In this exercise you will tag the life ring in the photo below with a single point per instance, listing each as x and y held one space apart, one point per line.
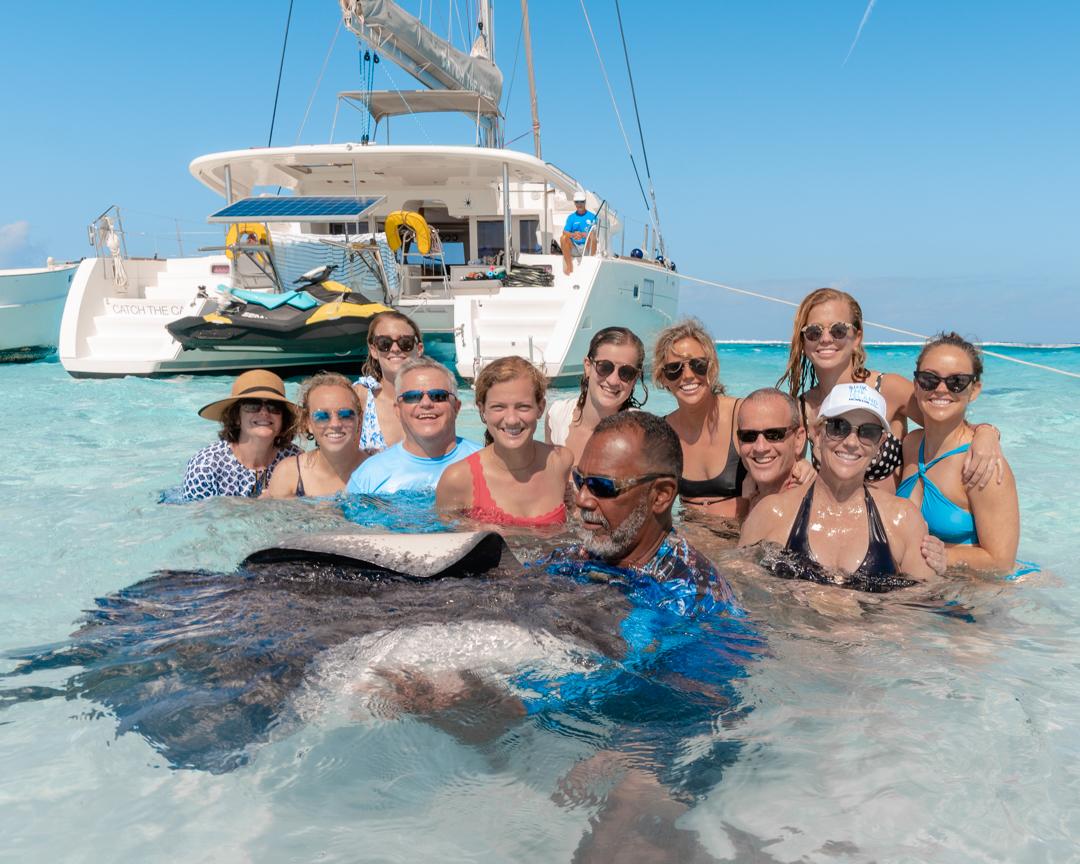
400 221
241 233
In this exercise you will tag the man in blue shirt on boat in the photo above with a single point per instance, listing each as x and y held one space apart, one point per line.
427 405
579 234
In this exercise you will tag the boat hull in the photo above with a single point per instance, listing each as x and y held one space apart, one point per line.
31 305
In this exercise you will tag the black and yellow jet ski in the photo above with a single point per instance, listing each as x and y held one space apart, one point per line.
320 316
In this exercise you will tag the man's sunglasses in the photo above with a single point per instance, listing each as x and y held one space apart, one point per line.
838 330
321 418
609 487
627 373
776 433
929 381
254 406
673 370
413 397
838 429
384 343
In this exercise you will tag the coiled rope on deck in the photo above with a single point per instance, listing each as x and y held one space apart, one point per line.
866 323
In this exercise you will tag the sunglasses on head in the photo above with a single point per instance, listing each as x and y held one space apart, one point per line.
673 370
776 433
413 397
609 487
838 330
254 406
929 381
838 429
627 373
321 418
384 343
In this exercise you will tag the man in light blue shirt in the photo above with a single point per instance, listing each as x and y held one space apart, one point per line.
427 406
578 236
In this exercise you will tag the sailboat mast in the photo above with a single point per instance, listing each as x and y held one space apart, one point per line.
532 75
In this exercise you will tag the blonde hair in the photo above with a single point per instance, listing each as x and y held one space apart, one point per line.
323 379
690 328
800 374
503 370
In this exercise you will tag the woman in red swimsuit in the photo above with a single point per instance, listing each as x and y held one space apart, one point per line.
515 479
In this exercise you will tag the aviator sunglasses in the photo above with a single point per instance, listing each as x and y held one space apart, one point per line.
609 487
627 373
838 330
321 418
254 406
838 429
383 343
929 381
413 397
672 370
776 433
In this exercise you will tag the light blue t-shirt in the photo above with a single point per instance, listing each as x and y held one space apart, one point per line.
396 469
583 222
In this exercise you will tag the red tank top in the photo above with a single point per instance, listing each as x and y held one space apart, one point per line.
485 509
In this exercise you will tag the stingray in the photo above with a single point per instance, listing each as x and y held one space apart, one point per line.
205 665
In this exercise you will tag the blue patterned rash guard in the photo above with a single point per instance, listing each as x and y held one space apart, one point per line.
687 640
215 470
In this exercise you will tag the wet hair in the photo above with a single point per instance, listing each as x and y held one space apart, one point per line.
776 393
663 455
322 379
424 362
800 374
371 364
954 340
690 328
615 336
507 369
230 425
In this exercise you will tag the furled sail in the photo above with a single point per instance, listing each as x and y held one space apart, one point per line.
434 62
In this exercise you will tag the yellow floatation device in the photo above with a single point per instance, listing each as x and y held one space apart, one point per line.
400 221
246 232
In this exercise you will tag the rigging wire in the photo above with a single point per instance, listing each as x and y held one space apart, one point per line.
618 116
513 75
867 323
281 67
318 82
641 133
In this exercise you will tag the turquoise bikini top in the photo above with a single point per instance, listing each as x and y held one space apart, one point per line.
945 519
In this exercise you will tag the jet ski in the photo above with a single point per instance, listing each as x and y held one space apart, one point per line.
319 316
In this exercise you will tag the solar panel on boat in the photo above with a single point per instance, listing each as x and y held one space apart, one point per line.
292 208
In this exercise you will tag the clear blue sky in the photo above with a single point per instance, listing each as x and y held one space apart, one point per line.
936 174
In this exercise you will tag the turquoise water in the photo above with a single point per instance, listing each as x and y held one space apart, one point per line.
880 729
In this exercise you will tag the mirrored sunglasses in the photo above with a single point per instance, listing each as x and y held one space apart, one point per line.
838 330
413 397
321 418
608 487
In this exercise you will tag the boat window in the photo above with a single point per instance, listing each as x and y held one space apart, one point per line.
647 292
529 236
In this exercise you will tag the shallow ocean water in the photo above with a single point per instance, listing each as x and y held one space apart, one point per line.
873 729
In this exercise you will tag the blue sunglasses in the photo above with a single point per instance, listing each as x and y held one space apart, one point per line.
413 397
321 418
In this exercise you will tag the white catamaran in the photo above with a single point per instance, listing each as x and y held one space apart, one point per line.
463 239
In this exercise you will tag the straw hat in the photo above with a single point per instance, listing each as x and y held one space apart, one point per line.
256 384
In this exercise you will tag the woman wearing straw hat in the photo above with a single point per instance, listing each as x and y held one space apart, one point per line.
258 424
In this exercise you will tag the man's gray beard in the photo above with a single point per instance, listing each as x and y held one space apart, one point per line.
620 541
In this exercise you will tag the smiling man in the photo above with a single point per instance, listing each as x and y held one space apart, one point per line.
427 406
771 442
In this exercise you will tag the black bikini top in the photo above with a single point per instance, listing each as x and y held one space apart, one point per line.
727 484
877 572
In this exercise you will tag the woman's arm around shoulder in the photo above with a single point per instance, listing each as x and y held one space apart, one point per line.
454 492
284 480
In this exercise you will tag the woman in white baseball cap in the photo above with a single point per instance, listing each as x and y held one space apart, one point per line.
841 531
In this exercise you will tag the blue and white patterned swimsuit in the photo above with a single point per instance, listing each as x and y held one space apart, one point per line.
371 437
215 470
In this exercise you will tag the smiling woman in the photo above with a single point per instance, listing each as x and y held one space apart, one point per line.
258 424
515 479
